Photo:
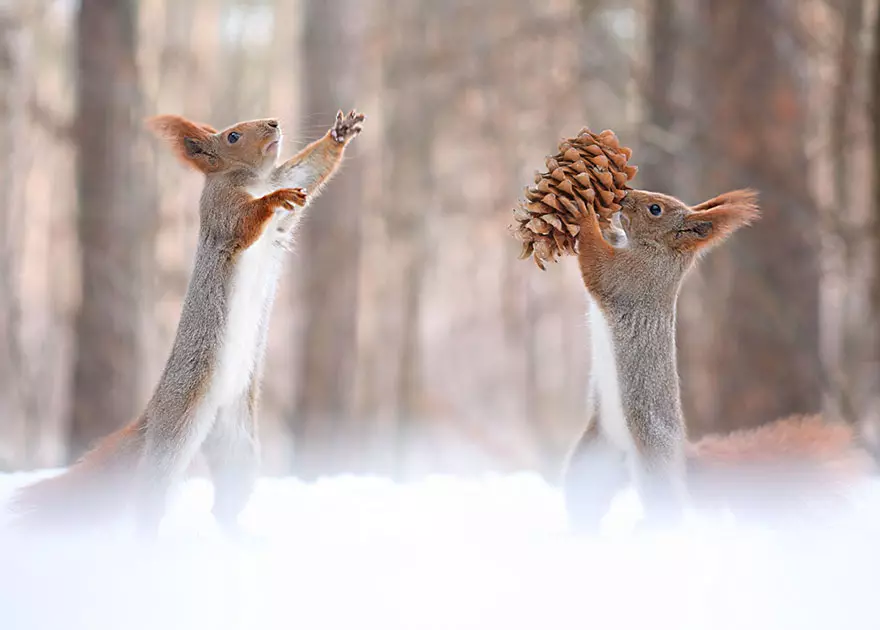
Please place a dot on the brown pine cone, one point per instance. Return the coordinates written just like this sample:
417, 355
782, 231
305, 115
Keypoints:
589, 174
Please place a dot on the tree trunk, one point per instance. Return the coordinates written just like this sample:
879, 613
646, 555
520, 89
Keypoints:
656, 164
407, 137
875, 103
13, 372
115, 223
844, 351
762, 288
875, 115
329, 251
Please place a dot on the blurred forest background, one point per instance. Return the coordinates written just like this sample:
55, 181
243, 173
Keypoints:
407, 337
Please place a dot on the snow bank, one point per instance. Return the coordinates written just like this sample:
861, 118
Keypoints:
444, 554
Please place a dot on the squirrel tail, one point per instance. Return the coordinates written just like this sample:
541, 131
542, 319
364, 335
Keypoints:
91, 490
785, 464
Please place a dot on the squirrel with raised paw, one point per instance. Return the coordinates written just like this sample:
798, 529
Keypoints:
208, 393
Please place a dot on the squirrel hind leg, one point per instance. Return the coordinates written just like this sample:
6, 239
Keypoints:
233, 457
170, 448
660, 481
595, 473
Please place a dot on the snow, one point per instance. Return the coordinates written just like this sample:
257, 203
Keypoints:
446, 553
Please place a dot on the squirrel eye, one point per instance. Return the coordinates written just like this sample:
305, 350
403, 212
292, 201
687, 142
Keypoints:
233, 137
655, 209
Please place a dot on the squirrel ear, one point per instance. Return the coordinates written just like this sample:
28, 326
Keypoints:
190, 141
712, 221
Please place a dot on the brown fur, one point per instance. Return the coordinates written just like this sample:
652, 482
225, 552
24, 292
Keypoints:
141, 461
796, 438
209, 151
779, 469
61, 499
259, 211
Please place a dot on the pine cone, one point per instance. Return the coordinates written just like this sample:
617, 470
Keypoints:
589, 174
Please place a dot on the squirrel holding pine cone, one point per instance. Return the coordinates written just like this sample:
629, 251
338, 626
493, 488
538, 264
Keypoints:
634, 249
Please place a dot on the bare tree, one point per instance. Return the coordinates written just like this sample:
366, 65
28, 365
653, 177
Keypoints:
329, 249
408, 136
875, 103
391, 380
12, 102
849, 386
657, 163
116, 223
875, 115
761, 295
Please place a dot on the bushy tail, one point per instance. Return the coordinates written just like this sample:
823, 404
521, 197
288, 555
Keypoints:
95, 488
781, 467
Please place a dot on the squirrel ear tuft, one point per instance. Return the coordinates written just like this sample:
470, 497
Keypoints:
190, 141
192, 147
744, 198
712, 221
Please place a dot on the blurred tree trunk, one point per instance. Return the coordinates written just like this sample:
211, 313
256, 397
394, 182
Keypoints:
875, 115
847, 62
329, 250
408, 228
12, 369
875, 103
657, 163
845, 353
115, 222
391, 397
761, 295
408, 135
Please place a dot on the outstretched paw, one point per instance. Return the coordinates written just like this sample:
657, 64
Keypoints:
347, 127
288, 198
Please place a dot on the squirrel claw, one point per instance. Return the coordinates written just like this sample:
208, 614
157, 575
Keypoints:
289, 198
347, 126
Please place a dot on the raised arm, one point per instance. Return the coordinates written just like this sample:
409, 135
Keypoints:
257, 212
594, 252
312, 167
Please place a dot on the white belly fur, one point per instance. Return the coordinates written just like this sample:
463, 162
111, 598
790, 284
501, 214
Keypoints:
253, 284
612, 421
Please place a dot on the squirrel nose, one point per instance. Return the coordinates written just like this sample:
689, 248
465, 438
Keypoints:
272, 123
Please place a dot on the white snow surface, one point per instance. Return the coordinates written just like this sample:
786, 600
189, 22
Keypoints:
446, 553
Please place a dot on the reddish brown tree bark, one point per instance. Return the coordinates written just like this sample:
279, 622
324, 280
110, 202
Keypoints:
762, 289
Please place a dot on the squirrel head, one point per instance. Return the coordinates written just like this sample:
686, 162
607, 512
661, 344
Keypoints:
656, 240
667, 226
253, 145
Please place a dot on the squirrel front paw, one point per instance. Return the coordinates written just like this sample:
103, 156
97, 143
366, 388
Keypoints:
347, 127
288, 198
